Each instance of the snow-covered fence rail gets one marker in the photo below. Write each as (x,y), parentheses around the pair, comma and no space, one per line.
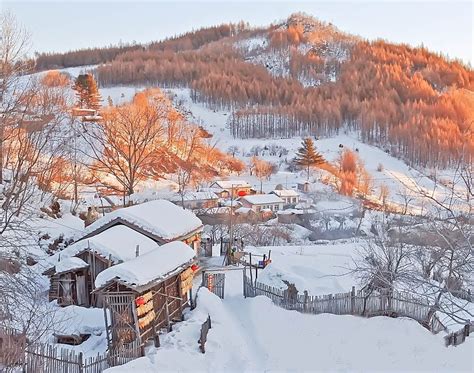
(359,303)
(456,338)
(46,358)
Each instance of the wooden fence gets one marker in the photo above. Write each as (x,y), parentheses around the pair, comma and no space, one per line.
(43,358)
(359,303)
(215,282)
(456,338)
(204,330)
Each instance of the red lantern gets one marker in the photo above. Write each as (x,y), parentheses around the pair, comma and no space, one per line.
(242,193)
(140,301)
(194,267)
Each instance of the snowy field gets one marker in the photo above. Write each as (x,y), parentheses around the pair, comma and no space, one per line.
(255,335)
(319,269)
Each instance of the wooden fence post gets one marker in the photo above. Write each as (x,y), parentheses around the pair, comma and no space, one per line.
(305,304)
(353,293)
(244,274)
(80,362)
(467,328)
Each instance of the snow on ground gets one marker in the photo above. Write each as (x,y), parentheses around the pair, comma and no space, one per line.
(80,320)
(255,335)
(319,269)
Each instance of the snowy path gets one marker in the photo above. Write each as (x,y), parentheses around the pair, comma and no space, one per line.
(254,335)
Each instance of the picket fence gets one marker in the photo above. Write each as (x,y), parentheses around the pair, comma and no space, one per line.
(43,358)
(358,303)
(458,337)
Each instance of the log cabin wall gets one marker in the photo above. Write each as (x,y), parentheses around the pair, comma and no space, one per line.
(97,264)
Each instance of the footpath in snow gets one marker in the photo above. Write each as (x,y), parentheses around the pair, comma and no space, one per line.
(255,335)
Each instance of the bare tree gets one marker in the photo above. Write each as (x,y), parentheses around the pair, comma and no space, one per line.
(126,145)
(14,46)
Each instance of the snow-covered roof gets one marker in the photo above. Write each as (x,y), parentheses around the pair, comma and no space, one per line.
(194,196)
(161,219)
(70,264)
(232,203)
(243,210)
(262,199)
(118,242)
(285,193)
(296,212)
(229,184)
(158,264)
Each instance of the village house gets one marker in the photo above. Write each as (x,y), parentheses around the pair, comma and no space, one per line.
(146,294)
(160,220)
(261,202)
(72,271)
(196,200)
(232,188)
(118,237)
(289,196)
(296,216)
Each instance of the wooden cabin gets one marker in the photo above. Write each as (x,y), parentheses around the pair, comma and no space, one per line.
(117,238)
(73,271)
(160,220)
(68,282)
(146,294)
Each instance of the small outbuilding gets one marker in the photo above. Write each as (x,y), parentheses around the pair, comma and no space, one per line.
(146,294)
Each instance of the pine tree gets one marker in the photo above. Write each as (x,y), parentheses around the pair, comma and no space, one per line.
(307,156)
(87,93)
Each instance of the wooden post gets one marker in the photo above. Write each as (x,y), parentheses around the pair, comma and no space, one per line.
(305,304)
(251,277)
(167,314)
(467,329)
(243,281)
(80,364)
(353,290)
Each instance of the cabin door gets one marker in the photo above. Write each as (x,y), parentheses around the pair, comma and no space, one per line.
(81,288)
(65,292)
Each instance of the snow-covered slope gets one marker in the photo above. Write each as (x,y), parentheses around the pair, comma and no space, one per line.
(255,335)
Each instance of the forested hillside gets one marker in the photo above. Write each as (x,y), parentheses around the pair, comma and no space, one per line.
(305,77)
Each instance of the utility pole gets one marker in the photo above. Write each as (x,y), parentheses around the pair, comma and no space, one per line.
(76,196)
(231,227)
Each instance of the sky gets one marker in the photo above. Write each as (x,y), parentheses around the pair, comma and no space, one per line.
(441,26)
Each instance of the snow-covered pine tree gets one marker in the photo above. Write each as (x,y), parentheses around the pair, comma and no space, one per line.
(307,156)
